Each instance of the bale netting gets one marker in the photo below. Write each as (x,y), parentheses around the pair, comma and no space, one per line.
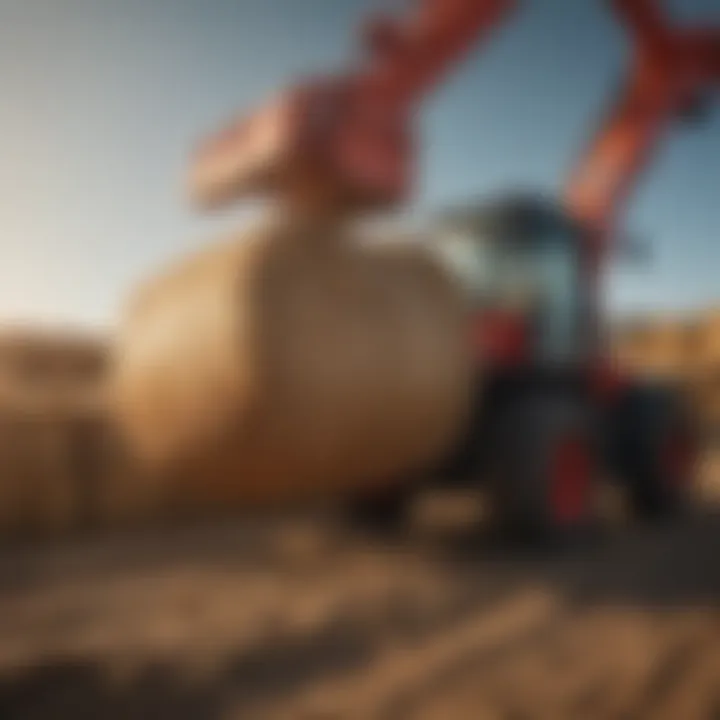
(289,363)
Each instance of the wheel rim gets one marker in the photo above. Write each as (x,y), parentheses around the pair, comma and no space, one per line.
(570,480)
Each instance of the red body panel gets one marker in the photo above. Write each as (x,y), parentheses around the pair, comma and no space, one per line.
(608,381)
(500,338)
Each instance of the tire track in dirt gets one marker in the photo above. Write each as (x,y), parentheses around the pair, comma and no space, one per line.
(689,687)
(384,688)
(300,621)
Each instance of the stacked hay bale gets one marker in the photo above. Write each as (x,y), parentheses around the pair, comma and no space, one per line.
(57,463)
(684,350)
(291,362)
(660,347)
(704,368)
(708,355)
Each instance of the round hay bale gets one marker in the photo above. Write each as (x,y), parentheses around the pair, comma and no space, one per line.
(286,364)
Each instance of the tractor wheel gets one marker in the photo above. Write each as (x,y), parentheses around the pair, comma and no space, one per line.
(543,468)
(654,450)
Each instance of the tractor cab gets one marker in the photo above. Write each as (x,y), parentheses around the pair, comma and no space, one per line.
(520,261)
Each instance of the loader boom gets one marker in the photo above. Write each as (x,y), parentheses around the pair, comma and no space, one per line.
(408,59)
(672,72)
(346,141)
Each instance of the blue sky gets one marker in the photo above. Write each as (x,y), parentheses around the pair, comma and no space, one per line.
(104,99)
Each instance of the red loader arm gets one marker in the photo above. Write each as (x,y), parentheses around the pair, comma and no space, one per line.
(673,70)
(346,142)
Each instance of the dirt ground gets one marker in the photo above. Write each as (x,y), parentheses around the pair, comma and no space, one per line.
(298,619)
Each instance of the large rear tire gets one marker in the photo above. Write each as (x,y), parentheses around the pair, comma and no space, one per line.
(543,468)
(654,446)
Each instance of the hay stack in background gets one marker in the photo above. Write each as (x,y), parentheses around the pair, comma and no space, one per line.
(704,370)
(660,347)
(685,350)
(289,363)
(50,369)
(43,487)
(63,466)
(704,391)
(707,354)
(51,416)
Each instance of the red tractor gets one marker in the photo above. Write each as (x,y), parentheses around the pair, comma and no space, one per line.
(553,412)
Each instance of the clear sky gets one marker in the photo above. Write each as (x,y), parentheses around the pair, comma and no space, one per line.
(103,100)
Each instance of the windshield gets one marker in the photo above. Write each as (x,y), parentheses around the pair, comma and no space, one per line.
(507,272)
(556,276)
(534,273)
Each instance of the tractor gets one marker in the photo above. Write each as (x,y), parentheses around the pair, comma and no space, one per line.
(553,413)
